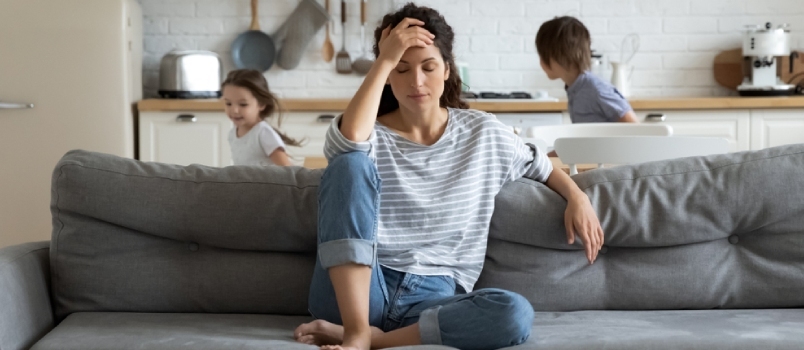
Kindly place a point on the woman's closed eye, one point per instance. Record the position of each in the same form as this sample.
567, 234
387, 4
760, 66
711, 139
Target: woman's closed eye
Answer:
426, 69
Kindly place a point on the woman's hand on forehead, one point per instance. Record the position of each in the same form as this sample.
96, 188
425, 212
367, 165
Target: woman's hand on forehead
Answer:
408, 33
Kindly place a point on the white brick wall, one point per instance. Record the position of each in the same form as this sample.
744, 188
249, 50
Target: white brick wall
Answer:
679, 39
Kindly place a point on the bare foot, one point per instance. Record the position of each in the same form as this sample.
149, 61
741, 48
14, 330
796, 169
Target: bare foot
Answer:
329, 336
319, 332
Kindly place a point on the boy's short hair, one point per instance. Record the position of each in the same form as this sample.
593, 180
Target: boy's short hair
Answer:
566, 41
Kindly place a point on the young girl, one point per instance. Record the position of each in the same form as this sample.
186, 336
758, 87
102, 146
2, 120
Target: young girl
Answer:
248, 103
406, 201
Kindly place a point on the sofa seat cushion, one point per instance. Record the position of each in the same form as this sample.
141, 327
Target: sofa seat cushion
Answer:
121, 330
678, 329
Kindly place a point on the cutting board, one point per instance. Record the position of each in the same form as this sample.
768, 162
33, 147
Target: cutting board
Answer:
728, 68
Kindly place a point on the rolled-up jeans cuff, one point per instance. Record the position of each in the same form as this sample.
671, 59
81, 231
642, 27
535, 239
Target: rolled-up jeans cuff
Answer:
429, 330
347, 251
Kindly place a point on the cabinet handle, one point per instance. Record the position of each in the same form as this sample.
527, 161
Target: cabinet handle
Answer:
655, 117
5, 105
325, 118
186, 118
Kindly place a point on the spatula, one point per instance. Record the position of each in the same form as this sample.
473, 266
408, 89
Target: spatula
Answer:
363, 64
343, 63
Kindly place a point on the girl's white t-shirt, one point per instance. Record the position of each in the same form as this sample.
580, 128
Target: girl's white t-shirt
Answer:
256, 146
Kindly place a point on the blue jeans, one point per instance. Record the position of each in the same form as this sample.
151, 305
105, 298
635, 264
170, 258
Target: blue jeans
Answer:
349, 198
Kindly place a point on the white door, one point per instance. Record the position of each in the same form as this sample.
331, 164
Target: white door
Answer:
770, 128
71, 60
185, 138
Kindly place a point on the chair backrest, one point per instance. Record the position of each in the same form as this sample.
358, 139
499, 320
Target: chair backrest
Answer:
634, 149
539, 143
549, 133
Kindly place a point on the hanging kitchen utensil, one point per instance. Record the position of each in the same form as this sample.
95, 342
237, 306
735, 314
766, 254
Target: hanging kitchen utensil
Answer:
631, 40
363, 64
253, 49
295, 34
327, 51
343, 63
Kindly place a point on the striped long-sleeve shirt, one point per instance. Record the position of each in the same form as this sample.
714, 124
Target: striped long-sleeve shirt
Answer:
436, 201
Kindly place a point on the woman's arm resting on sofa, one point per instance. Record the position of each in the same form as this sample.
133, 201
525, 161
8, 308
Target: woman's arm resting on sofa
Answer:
579, 218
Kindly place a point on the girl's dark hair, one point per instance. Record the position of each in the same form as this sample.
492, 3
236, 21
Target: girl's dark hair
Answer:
255, 82
566, 41
444, 37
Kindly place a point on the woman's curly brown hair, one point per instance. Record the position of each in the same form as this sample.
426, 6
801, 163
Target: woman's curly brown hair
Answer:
435, 23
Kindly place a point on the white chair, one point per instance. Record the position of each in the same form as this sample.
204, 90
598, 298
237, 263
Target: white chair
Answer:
539, 143
549, 133
634, 149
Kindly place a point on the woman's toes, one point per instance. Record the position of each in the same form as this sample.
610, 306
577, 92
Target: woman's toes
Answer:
306, 339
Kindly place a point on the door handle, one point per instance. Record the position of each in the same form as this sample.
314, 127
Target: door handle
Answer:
6, 105
655, 117
186, 118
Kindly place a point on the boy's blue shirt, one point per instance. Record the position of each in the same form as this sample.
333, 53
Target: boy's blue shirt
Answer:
592, 100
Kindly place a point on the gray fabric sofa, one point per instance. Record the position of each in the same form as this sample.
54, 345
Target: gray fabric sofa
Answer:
701, 253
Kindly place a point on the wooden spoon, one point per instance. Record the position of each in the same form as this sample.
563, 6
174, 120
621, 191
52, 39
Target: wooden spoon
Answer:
328, 51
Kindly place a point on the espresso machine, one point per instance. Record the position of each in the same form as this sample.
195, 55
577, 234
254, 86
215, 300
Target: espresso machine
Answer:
762, 47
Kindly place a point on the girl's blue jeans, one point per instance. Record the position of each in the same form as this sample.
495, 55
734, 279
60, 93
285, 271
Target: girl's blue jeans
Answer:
349, 196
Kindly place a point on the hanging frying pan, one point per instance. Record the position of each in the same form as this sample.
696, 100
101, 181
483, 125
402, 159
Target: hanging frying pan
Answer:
253, 49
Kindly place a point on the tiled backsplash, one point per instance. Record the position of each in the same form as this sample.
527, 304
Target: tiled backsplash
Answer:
678, 39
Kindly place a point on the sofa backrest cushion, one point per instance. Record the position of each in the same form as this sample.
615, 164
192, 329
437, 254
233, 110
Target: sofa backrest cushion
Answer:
724, 231
150, 237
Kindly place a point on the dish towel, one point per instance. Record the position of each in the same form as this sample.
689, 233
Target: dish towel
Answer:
295, 34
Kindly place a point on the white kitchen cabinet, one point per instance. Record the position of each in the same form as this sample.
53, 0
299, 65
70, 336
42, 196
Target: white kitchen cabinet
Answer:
185, 138
310, 126
565, 118
733, 125
776, 127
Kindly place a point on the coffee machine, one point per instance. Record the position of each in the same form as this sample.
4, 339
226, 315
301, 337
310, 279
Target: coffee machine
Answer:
762, 46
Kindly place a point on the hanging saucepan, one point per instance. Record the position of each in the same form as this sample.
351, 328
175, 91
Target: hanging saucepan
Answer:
254, 49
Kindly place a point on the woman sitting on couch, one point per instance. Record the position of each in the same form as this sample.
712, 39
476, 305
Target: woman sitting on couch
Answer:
406, 201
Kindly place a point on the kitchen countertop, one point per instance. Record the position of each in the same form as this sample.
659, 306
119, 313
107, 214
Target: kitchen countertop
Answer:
676, 103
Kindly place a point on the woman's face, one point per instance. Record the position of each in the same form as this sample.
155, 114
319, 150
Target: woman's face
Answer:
418, 79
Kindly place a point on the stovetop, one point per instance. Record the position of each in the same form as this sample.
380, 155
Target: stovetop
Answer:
496, 95
515, 96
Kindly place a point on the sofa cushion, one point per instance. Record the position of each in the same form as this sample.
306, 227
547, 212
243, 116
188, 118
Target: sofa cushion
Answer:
671, 330
616, 330
151, 237
724, 231
110, 330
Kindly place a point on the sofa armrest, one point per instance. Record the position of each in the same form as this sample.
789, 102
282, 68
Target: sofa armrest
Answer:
26, 314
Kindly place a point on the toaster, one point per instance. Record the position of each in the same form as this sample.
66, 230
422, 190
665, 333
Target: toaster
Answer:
190, 74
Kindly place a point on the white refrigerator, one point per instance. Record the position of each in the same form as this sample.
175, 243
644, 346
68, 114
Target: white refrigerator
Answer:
79, 63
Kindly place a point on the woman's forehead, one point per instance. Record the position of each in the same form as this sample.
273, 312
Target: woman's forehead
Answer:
417, 55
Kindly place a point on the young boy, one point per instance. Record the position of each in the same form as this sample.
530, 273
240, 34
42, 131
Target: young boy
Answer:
564, 48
